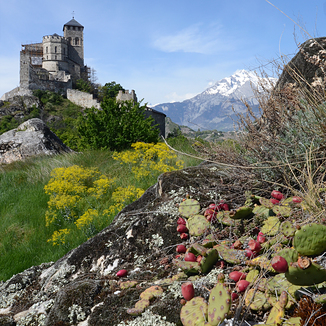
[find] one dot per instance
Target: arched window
(76, 41)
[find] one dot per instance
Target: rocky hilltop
(130, 273)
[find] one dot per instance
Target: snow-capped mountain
(212, 109)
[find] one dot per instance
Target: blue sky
(166, 50)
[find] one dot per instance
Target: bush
(116, 126)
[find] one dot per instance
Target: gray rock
(30, 138)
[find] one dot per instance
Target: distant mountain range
(212, 109)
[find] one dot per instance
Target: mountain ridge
(217, 106)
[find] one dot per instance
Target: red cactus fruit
(250, 254)
(241, 285)
(254, 245)
(277, 195)
(212, 206)
(181, 221)
(189, 256)
(209, 212)
(187, 290)
(225, 207)
(234, 296)
(274, 201)
(182, 228)
(181, 249)
(177, 256)
(279, 264)
(122, 273)
(261, 237)
(236, 276)
(296, 199)
(183, 301)
(184, 236)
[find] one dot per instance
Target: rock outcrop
(82, 287)
(307, 68)
(30, 138)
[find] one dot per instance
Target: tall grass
(23, 232)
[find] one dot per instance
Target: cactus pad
(255, 300)
(271, 226)
(232, 256)
(188, 267)
(289, 254)
(241, 213)
(224, 218)
(266, 202)
(194, 312)
(320, 298)
(276, 315)
(252, 275)
(314, 274)
(198, 249)
(209, 260)
(293, 321)
(197, 225)
(263, 211)
(189, 207)
(127, 285)
(219, 304)
(288, 229)
(152, 292)
(284, 211)
(310, 239)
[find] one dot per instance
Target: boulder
(82, 288)
(30, 138)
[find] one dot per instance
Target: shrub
(116, 126)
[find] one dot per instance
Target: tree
(116, 126)
(109, 90)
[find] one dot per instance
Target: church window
(76, 41)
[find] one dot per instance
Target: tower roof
(72, 22)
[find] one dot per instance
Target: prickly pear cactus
(198, 225)
(232, 256)
(189, 207)
(152, 292)
(194, 312)
(284, 211)
(198, 249)
(310, 239)
(188, 267)
(209, 260)
(252, 275)
(263, 211)
(314, 274)
(241, 213)
(266, 203)
(320, 298)
(271, 226)
(224, 218)
(293, 321)
(289, 254)
(219, 304)
(276, 315)
(256, 300)
(128, 284)
(288, 229)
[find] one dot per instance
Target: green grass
(23, 233)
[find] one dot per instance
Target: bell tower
(73, 32)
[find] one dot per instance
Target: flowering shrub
(149, 159)
(77, 195)
(82, 197)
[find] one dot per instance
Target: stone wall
(18, 91)
(82, 99)
(126, 96)
(159, 119)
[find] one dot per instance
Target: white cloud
(198, 38)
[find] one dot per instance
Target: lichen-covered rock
(82, 289)
(30, 138)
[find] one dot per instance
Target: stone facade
(126, 95)
(54, 64)
(82, 99)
